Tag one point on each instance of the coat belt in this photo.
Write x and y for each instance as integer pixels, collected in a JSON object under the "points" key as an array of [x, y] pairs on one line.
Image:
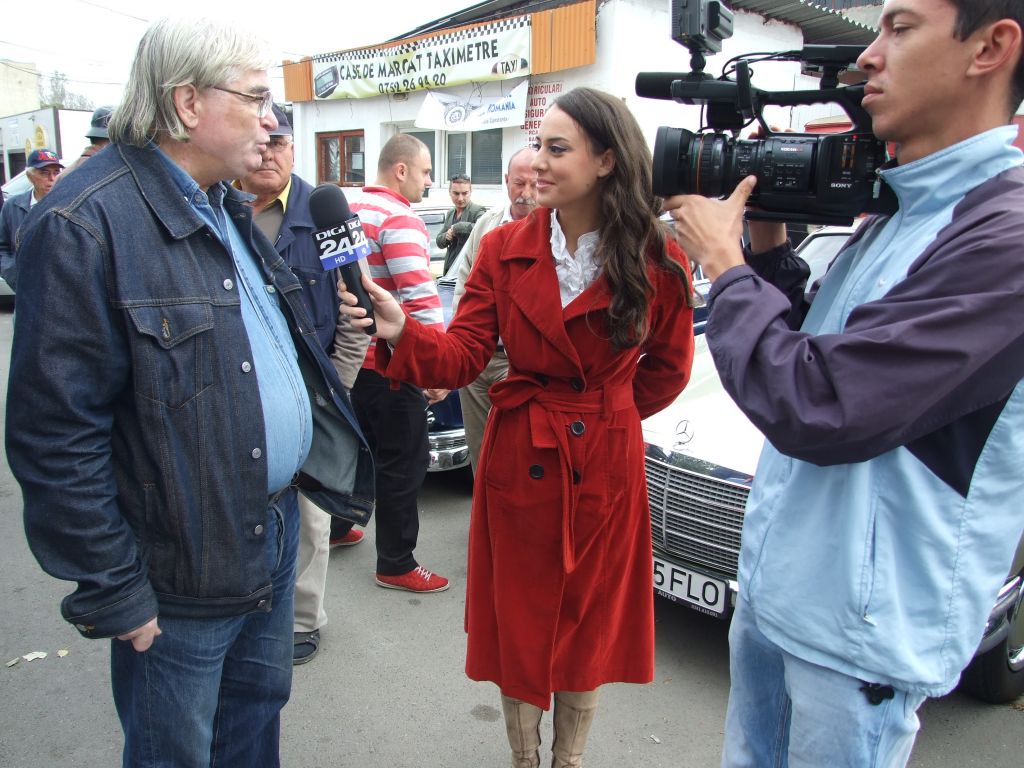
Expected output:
{"points": [[548, 429]]}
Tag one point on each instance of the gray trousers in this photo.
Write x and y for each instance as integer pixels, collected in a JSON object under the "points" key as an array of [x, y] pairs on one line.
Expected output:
{"points": [[476, 403], [311, 566]]}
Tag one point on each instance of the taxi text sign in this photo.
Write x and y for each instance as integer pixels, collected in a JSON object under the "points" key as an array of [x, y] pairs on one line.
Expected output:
{"points": [[498, 50]]}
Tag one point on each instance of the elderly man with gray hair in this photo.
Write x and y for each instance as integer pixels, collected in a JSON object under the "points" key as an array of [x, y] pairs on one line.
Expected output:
{"points": [[170, 396]]}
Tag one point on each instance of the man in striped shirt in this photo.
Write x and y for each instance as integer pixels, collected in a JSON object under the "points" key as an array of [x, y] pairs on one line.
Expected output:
{"points": [[394, 420]]}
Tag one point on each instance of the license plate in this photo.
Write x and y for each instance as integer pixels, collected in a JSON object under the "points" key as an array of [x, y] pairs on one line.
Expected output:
{"points": [[682, 585]]}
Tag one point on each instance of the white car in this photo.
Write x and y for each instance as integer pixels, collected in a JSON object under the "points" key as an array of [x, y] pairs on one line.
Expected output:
{"points": [[16, 186]]}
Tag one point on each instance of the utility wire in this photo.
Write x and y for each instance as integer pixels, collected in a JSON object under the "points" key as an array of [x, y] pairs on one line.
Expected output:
{"points": [[114, 11], [42, 74]]}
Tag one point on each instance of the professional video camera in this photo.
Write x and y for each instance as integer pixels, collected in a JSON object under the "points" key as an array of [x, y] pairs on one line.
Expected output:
{"points": [[804, 178]]}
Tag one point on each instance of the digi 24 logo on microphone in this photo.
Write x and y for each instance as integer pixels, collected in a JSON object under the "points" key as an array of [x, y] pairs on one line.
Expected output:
{"points": [[342, 244]]}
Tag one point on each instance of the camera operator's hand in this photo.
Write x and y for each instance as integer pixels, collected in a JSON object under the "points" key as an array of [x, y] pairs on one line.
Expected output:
{"points": [[711, 231], [765, 235], [435, 395]]}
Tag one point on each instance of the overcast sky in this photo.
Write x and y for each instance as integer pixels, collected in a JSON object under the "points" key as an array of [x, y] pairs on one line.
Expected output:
{"points": [[93, 42]]}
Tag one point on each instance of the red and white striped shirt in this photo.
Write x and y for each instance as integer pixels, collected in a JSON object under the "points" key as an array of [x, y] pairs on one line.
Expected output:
{"points": [[399, 260]]}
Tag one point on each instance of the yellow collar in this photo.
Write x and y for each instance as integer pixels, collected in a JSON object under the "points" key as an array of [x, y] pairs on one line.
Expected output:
{"points": [[283, 197]]}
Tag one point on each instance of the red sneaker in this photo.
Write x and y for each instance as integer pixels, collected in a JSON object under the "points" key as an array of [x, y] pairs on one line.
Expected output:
{"points": [[354, 536], [418, 579]]}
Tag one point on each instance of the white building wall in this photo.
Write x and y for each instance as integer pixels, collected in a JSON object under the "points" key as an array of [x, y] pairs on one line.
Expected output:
{"points": [[635, 36], [632, 36], [382, 117]]}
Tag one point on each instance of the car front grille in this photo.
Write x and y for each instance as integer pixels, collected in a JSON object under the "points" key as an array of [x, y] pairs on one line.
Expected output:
{"points": [[443, 441], [695, 516]]}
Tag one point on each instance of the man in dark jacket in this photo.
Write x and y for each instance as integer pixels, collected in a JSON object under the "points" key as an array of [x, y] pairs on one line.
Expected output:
{"points": [[170, 390], [281, 212], [459, 221], [43, 169], [97, 135]]}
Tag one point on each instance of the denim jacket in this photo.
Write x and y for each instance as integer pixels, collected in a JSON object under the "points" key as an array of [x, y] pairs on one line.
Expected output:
{"points": [[134, 423]]}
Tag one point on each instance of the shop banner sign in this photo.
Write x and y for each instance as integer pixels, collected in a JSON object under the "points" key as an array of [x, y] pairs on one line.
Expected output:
{"points": [[445, 112], [538, 99], [499, 50]]}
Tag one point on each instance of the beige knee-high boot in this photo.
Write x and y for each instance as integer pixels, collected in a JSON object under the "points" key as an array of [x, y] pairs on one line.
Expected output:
{"points": [[574, 712], [522, 722]]}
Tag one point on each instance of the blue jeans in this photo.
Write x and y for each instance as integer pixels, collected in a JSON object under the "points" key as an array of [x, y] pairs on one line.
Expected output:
{"points": [[787, 712], [209, 692]]}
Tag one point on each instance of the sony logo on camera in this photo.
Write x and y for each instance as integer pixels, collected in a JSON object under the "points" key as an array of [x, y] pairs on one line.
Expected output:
{"points": [[342, 244]]}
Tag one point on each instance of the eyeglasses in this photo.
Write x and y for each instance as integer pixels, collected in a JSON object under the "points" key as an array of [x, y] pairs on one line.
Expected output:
{"points": [[263, 101], [278, 144]]}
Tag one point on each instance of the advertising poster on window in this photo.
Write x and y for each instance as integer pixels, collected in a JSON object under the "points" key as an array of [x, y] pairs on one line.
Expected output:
{"points": [[447, 112], [499, 50]]}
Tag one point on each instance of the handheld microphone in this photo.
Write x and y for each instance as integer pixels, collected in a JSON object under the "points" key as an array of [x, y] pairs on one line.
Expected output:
{"points": [[342, 243]]}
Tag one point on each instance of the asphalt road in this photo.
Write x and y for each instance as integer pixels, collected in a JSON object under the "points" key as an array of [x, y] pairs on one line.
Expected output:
{"points": [[388, 689]]}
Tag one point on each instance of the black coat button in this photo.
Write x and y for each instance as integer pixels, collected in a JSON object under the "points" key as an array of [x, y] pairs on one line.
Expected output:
{"points": [[576, 477], [576, 384], [578, 428], [536, 471]]}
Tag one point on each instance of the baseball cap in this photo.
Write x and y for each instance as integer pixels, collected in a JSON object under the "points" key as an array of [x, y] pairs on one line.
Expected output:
{"points": [[40, 158], [284, 127], [98, 125]]}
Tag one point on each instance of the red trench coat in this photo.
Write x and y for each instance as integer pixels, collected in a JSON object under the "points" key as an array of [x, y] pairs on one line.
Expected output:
{"points": [[559, 591]]}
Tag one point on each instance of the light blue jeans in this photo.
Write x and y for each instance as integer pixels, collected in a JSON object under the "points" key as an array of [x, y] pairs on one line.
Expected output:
{"points": [[209, 692], [785, 712]]}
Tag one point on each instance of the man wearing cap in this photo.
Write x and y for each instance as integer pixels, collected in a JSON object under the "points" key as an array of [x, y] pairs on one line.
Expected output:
{"points": [[42, 171], [281, 212], [97, 136]]}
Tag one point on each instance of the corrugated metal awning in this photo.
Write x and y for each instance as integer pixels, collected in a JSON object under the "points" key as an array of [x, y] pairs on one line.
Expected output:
{"points": [[820, 20], [839, 5], [820, 24]]}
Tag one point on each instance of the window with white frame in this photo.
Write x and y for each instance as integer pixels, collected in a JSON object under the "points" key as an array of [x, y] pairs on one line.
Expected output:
{"points": [[476, 154]]}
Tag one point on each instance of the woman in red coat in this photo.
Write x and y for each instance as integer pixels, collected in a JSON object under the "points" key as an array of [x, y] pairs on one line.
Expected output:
{"points": [[592, 304]]}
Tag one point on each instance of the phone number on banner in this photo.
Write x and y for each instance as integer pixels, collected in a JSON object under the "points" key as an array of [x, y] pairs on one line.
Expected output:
{"points": [[413, 83]]}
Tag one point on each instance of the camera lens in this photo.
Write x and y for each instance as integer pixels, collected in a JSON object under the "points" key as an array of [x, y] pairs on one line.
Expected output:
{"points": [[687, 163], [669, 175], [712, 153]]}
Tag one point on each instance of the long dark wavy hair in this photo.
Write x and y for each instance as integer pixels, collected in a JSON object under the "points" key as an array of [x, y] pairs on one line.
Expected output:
{"points": [[631, 235]]}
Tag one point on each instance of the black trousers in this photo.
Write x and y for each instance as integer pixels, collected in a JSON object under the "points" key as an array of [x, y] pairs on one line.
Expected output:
{"points": [[395, 424]]}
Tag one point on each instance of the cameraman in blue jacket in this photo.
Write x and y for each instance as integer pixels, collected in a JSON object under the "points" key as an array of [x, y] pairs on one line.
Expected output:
{"points": [[887, 503]]}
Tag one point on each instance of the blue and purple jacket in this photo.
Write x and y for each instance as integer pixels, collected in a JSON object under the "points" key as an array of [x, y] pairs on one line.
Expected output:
{"points": [[887, 503]]}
